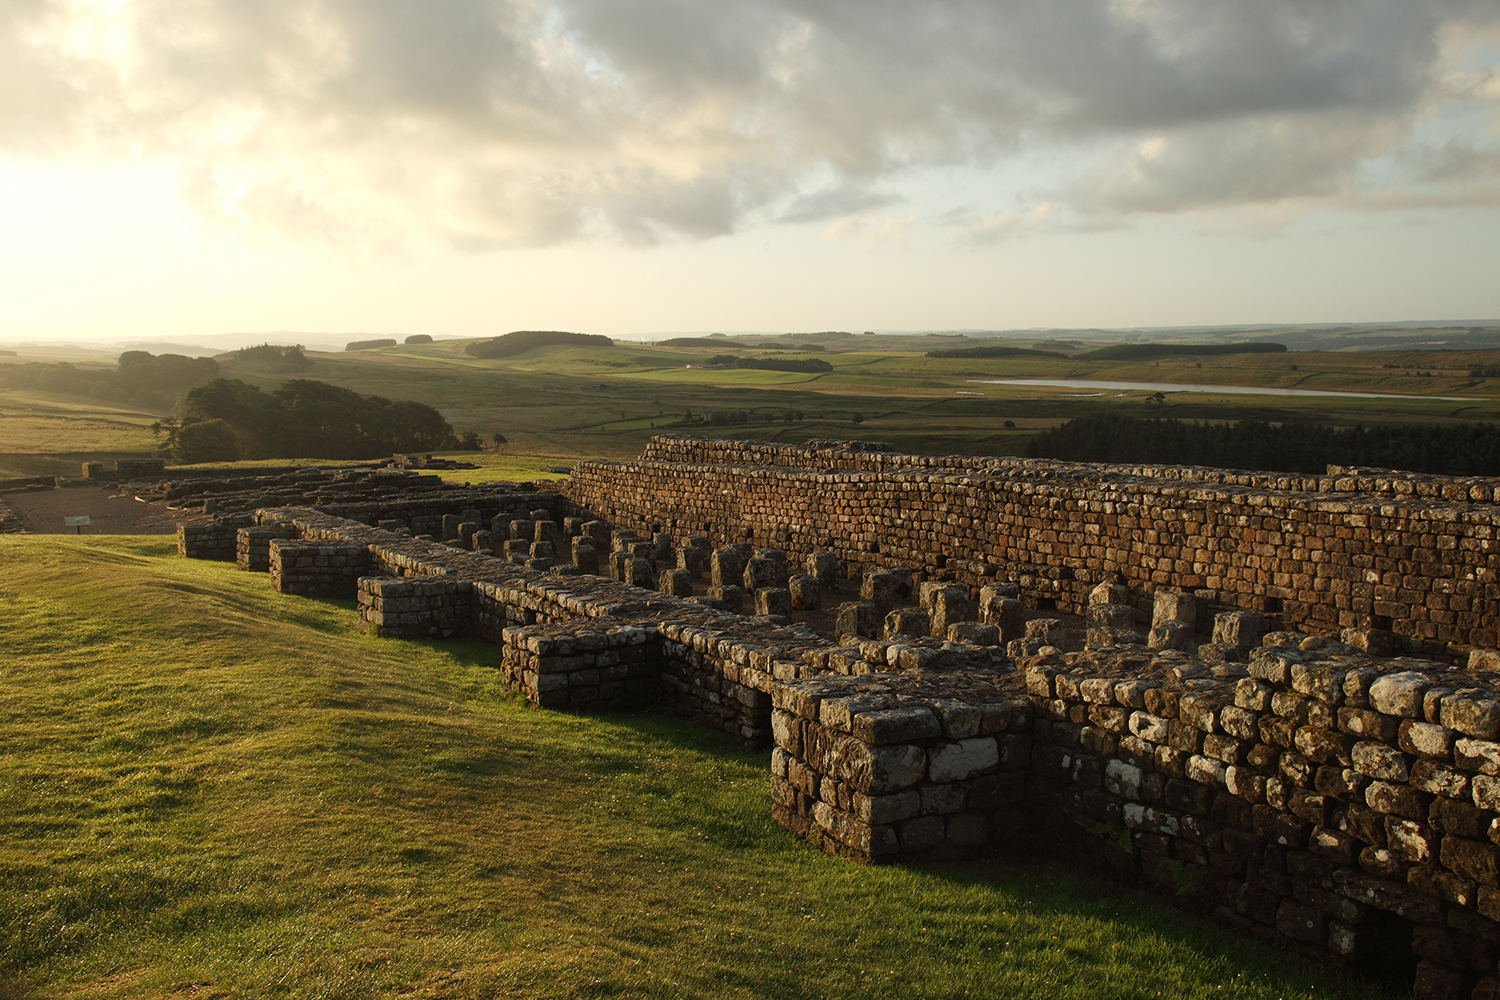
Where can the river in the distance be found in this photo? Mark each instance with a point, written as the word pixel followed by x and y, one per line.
pixel 1233 390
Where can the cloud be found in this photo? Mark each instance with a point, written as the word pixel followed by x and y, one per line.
pixel 832 202
pixel 870 232
pixel 1002 225
pixel 493 123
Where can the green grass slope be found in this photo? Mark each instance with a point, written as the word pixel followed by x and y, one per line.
pixel 209 789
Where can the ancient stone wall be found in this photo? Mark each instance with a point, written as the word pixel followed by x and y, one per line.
pixel 1311 793
pixel 1425 569
pixel 316 567
pixel 873 456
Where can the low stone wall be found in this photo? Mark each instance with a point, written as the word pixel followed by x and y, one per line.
pixel 253 546
pixel 873 767
pixel 303 567
pixel 429 608
pixel 598 666
pixel 217 539
pixel 27 483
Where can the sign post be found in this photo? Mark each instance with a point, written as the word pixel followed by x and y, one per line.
pixel 77 523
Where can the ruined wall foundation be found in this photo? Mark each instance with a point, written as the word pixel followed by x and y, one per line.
pixel 1305 746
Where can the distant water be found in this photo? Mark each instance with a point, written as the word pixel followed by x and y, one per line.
pixel 1234 390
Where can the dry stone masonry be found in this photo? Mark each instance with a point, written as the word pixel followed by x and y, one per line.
pixel 1275 698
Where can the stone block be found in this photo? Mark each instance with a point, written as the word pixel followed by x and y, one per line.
pixel 773 601
pixel 974 633
pixel 963 759
pixel 823 567
pixel 727 566
pixel 1172 635
pixel 807 595
pixel 733 597
pixel 1237 632
pixel 676 582
pixel 1118 616
pixel 908 622
pixel 759 573
pixel 1400 694
pixel 693 559
pixel 585 556
pixel 1050 631
pixel 639 572
pixel 951 605
pixel 857 618
pixel 879 588
pixel 1005 613
pixel 1169 606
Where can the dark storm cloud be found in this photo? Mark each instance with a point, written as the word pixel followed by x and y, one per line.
pixel 513 123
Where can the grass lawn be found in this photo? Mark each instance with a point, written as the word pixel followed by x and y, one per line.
pixel 209 789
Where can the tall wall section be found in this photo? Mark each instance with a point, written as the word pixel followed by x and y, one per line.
pixel 1416 555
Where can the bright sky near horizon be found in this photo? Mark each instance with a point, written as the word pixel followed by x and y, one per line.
pixel 172 168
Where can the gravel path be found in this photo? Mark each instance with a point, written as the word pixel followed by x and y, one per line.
pixel 42 512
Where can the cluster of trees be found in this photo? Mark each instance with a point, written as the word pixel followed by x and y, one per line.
pixel 1451 449
pixel 694 342
pixel 993 352
pixel 150 380
pixel 370 345
pixel 519 341
pixel 1481 371
pixel 1141 352
pixel 807 365
pixel 226 420
pixel 270 358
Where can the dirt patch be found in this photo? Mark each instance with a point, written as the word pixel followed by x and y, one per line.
pixel 41 512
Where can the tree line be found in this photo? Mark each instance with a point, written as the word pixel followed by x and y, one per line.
pixel 149 380
pixel 1440 449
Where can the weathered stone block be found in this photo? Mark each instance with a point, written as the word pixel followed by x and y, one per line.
pixel 857 618
pixel 676 582
pixel 1171 635
pixel 1237 632
pixel 1168 606
pixel 963 759
pixel 806 593
pixel 773 601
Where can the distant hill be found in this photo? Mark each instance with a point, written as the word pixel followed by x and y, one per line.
pixel 520 341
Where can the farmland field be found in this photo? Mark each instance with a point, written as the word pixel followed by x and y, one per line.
pixel 572 402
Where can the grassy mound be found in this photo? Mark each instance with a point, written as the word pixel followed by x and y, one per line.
pixel 207 788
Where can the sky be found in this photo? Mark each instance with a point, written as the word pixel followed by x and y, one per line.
pixel 181 168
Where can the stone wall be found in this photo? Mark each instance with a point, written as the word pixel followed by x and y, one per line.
pixel 1330 798
pixel 316 567
pixel 402 608
pixel 874 456
pixel 597 666
pixel 873 767
pixel 216 539
pixel 1312 793
pixel 252 548
pixel 1425 569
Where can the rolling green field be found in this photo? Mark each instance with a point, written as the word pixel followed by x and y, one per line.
pixel 209 789
pixel 576 402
